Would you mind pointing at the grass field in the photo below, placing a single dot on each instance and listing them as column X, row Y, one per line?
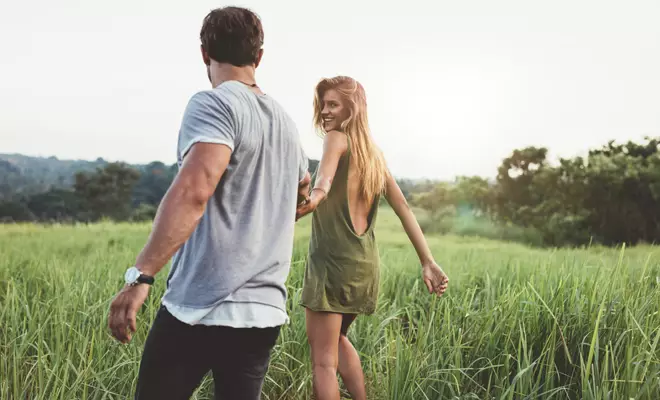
column 515, row 323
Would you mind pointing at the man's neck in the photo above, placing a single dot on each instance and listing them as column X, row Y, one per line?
column 220, row 72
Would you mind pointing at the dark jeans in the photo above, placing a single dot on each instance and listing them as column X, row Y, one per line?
column 177, row 356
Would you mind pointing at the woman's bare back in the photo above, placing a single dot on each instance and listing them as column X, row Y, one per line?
column 359, row 208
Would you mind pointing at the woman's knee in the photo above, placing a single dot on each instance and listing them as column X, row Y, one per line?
column 325, row 360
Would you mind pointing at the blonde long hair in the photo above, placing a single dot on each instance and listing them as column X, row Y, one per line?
column 369, row 160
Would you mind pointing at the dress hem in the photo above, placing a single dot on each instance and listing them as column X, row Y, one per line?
column 338, row 310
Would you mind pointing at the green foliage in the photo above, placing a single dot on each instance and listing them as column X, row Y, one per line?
column 515, row 195
column 55, row 205
column 611, row 197
column 10, row 180
column 15, row 211
column 106, row 192
column 438, row 200
column 155, row 179
column 144, row 212
column 473, row 192
column 44, row 189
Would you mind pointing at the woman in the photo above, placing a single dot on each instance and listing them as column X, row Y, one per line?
column 342, row 273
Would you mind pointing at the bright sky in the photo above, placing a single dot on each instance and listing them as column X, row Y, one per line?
column 453, row 86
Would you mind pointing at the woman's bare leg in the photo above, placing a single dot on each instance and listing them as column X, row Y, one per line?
column 323, row 336
column 350, row 369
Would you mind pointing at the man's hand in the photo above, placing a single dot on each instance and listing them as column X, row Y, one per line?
column 435, row 278
column 303, row 189
column 123, row 311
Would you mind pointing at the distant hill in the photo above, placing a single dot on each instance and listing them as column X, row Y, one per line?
column 22, row 176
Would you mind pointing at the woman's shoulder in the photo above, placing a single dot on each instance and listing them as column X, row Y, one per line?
column 336, row 141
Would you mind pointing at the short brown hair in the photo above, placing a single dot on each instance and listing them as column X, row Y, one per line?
column 232, row 35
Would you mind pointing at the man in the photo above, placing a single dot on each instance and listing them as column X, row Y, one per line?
column 228, row 220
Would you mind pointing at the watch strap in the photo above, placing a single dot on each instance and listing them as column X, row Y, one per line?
column 149, row 280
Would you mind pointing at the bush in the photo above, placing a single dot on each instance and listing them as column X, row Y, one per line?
column 470, row 225
column 15, row 211
column 144, row 212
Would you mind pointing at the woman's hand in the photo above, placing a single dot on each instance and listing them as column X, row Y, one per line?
column 435, row 278
column 310, row 204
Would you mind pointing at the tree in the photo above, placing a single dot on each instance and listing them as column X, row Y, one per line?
column 155, row 179
column 623, row 193
column 515, row 193
column 437, row 200
column 473, row 192
column 612, row 196
column 55, row 205
column 144, row 212
column 15, row 211
column 106, row 192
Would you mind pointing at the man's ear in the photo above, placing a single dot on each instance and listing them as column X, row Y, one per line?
column 261, row 54
column 205, row 56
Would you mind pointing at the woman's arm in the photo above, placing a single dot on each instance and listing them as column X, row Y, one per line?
column 398, row 202
column 434, row 277
column 335, row 145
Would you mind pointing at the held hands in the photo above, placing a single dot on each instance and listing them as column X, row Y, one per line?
column 435, row 278
column 310, row 203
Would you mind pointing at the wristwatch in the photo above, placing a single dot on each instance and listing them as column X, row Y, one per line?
column 133, row 276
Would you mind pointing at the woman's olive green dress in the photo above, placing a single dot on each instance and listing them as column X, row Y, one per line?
column 342, row 274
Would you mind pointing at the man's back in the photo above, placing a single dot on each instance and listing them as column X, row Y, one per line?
column 241, row 248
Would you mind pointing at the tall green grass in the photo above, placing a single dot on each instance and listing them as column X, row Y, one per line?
column 516, row 323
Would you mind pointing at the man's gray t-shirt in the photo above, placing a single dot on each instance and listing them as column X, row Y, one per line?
column 243, row 243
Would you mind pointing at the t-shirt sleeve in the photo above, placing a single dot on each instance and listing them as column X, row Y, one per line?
column 207, row 119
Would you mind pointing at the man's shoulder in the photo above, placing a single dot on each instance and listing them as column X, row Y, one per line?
column 233, row 98
column 211, row 103
column 209, row 96
column 203, row 100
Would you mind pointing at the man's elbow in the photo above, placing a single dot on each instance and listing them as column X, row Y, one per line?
column 200, row 196
column 193, row 192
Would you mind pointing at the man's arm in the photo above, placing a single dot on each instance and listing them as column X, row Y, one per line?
column 183, row 205
column 207, row 138
column 178, row 214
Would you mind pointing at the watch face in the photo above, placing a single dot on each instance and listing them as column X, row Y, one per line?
column 131, row 275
